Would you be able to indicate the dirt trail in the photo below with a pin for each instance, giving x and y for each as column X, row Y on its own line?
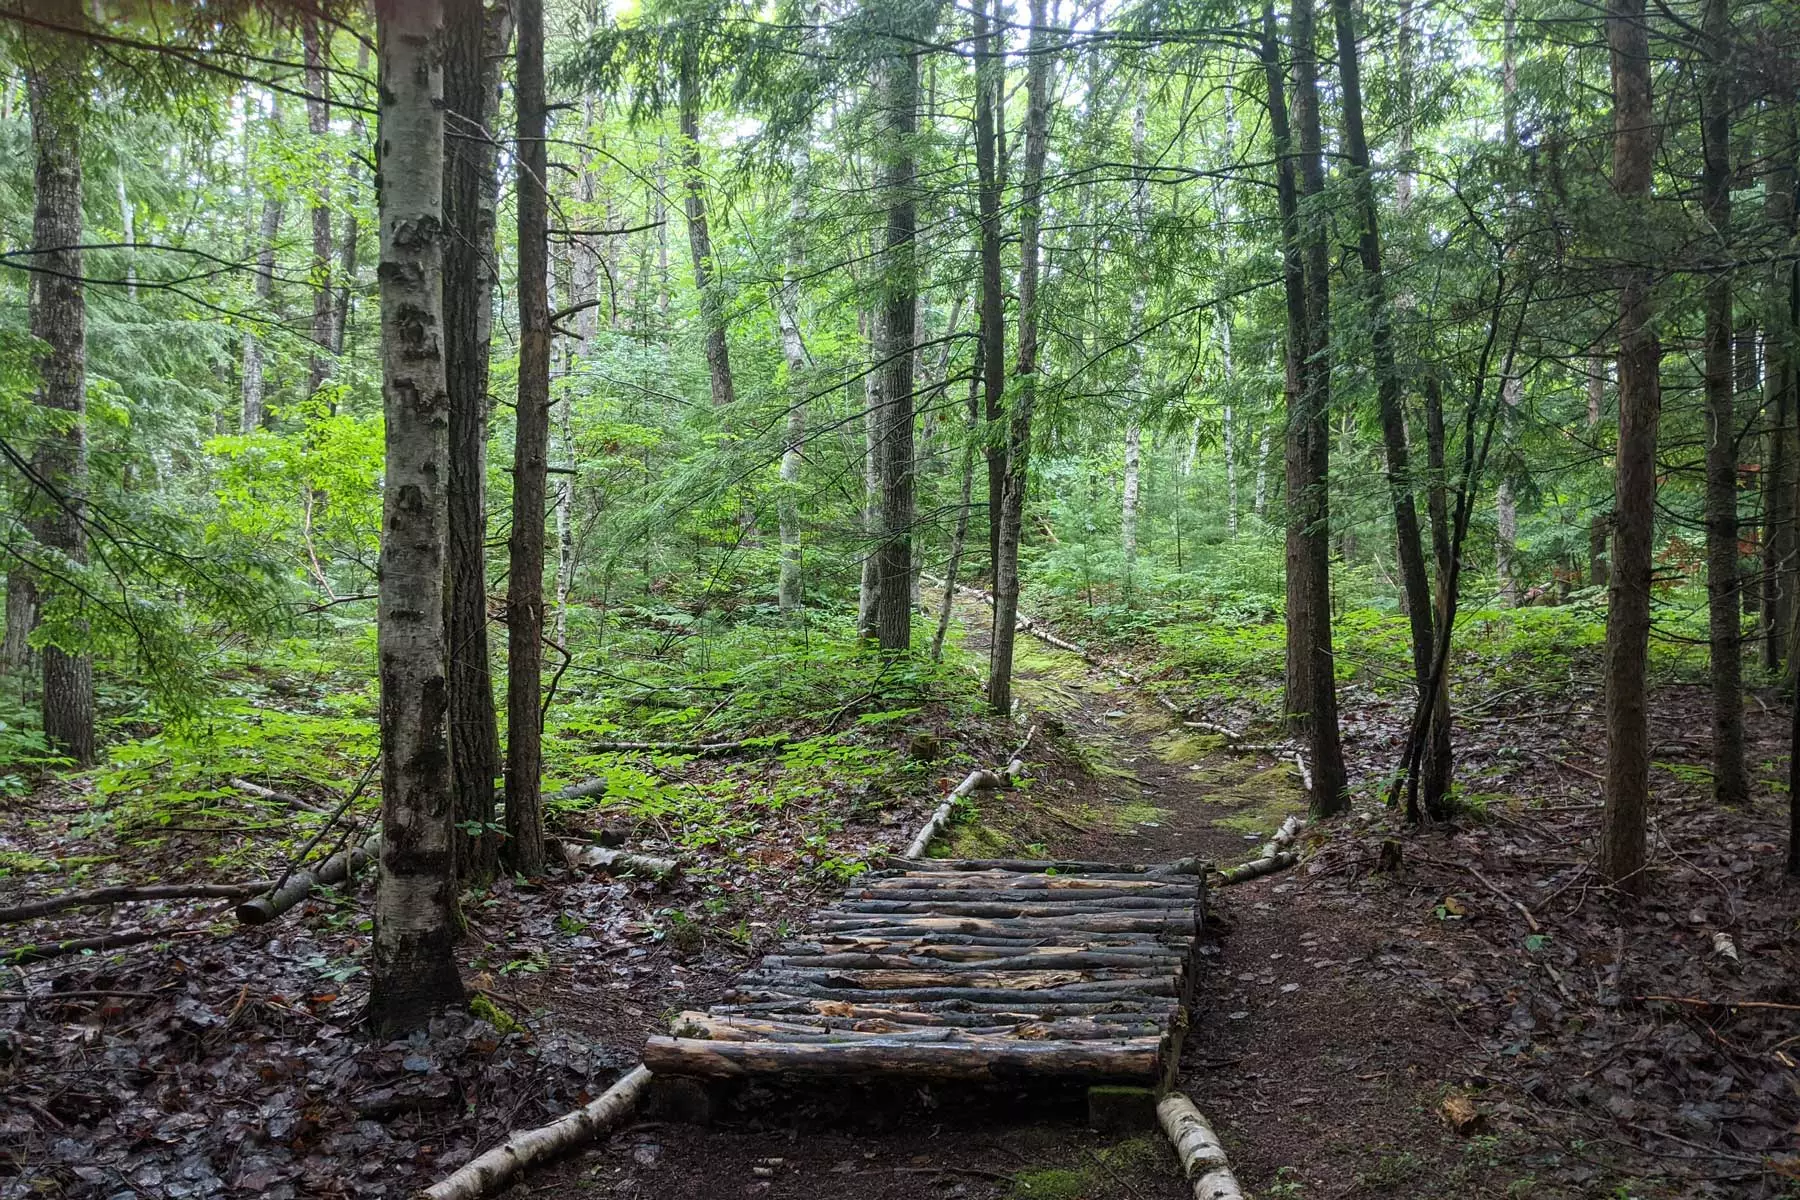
column 1115, row 778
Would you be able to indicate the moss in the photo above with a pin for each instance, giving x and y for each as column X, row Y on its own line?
column 1126, row 817
column 1139, row 1154
column 1179, row 749
column 484, row 1008
column 1050, row 1183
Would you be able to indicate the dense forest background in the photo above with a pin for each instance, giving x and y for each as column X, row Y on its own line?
column 434, row 407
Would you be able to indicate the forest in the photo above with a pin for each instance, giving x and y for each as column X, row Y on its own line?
column 514, row 508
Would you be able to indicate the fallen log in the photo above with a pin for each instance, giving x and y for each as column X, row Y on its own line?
column 1256, row 868
column 1126, row 1061
column 108, row 941
column 979, row 778
column 823, row 1030
column 1039, row 895
column 287, row 798
column 1229, row 734
column 906, row 980
column 260, row 910
column 1052, row 959
column 1202, row 1156
column 870, row 924
column 494, row 1169
column 1049, row 905
column 997, row 881
column 619, row 862
column 954, row 1012
column 1030, row 866
column 128, row 894
column 1128, row 990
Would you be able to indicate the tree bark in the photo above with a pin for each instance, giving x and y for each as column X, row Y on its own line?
column 693, row 186
column 960, row 534
column 990, row 157
column 412, row 970
column 1640, row 405
column 1512, row 388
column 318, row 123
column 1312, row 689
column 1781, row 384
column 1414, row 581
column 1018, row 449
column 471, row 99
column 897, row 334
column 868, row 594
column 1723, row 602
column 58, row 319
column 793, row 349
column 1135, row 397
column 1438, row 762
column 525, row 591
column 254, row 413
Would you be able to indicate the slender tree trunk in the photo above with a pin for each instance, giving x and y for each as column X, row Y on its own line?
column 1640, row 404
column 1312, row 688
column 471, row 99
column 1781, row 384
column 1135, row 397
column 793, row 350
column 525, row 591
column 1388, row 399
column 1229, row 424
column 897, row 337
column 254, row 413
column 318, row 124
column 960, row 534
column 128, row 229
column 1018, row 450
column 1438, row 759
column 1260, row 493
column 868, row 594
column 412, row 970
column 1512, row 388
column 693, row 186
column 58, row 316
column 1723, row 602
column 990, row 166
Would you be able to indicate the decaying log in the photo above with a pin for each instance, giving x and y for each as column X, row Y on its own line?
column 1174, row 924
column 1032, row 866
column 1305, row 772
column 287, row 798
column 1124, row 1061
column 1027, row 895
column 977, row 779
column 618, row 862
column 1102, row 991
column 1002, row 882
column 1197, row 1146
column 1015, row 762
column 491, row 1171
column 107, row 941
column 260, row 910
column 1230, row 735
column 1274, row 855
column 824, row 1030
column 127, row 894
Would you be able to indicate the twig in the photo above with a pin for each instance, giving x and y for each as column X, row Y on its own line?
column 1699, row 1003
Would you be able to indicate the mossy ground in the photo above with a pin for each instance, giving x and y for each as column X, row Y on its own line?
column 1098, row 1176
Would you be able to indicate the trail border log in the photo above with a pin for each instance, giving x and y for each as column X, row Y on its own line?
column 132, row 894
column 979, row 779
column 260, row 910
column 489, row 1172
column 1202, row 1156
column 1274, row 856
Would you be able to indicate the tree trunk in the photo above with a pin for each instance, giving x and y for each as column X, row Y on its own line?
column 1723, row 604
column 1640, row 404
column 1411, row 552
column 1018, row 449
column 1229, row 424
column 868, row 594
column 1312, row 689
column 1434, row 774
column 959, row 535
column 1781, row 384
column 318, row 124
column 1512, row 388
column 254, row 414
column 1135, row 397
column 990, row 165
column 59, row 321
column 789, row 593
column 525, row 591
column 693, row 187
column 471, row 99
column 412, row 970
column 897, row 335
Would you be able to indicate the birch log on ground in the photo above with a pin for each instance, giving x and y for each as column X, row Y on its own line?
column 132, row 895
column 1202, row 1157
column 979, row 778
column 618, row 862
column 490, row 1172
column 260, row 910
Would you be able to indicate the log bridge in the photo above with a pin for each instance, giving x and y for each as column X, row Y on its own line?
column 968, row 971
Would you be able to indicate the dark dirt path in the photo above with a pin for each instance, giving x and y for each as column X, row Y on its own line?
column 1286, row 1054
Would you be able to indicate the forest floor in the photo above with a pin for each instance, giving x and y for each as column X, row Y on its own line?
column 1480, row 1021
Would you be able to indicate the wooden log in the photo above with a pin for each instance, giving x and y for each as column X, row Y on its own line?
column 260, row 910
column 960, row 1012
column 1202, row 1156
column 1098, row 992
column 822, row 1030
column 130, row 894
column 1024, row 887
column 1014, row 879
column 950, row 944
column 493, row 1170
column 1053, row 958
column 43, row 951
column 1049, row 907
column 1134, row 1059
column 1256, row 868
column 1172, row 924
column 287, row 798
column 978, row 779
column 1058, row 866
column 979, row 975
column 618, row 862
column 1229, row 734
column 1153, row 896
